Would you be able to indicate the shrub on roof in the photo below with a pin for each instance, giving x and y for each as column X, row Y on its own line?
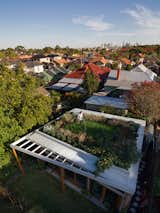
column 112, row 141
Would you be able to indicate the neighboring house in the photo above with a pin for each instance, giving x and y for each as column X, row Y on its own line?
column 61, row 62
column 33, row 66
column 74, row 80
column 12, row 64
column 118, row 83
column 44, row 60
column 141, row 68
column 100, row 61
column 24, row 57
column 127, row 63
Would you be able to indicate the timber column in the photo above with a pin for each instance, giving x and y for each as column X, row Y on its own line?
column 103, row 193
column 18, row 161
column 62, row 173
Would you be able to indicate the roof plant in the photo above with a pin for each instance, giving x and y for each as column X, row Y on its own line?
column 111, row 140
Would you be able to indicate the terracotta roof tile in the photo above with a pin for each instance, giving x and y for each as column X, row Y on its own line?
column 80, row 73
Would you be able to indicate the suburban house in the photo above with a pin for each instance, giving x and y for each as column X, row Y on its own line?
column 12, row 64
column 118, row 83
column 33, row 66
column 24, row 57
column 100, row 61
column 61, row 61
column 44, row 60
column 126, row 62
column 78, row 168
column 73, row 81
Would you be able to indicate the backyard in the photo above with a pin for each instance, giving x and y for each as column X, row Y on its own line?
column 112, row 141
column 39, row 192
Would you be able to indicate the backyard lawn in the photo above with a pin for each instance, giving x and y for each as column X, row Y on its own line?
column 41, row 193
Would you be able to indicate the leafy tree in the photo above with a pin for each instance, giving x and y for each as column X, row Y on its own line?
column 47, row 50
column 21, row 107
column 2, row 54
column 73, row 99
column 56, row 98
column 10, row 53
column 57, row 48
column 20, row 49
column 144, row 101
column 91, row 82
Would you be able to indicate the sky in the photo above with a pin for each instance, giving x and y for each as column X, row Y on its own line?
column 78, row 23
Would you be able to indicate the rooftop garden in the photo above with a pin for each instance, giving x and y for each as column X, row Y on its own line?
column 112, row 141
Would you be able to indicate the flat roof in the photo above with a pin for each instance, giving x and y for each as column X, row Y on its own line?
column 62, row 154
column 107, row 101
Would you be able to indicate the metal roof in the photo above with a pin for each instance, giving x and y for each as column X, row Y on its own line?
column 142, row 68
column 71, row 80
column 107, row 101
column 127, row 78
column 50, row 149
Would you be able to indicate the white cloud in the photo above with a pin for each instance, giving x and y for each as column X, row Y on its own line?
column 144, row 17
column 93, row 23
column 119, row 34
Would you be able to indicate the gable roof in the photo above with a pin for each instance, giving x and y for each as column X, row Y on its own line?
column 126, row 61
column 142, row 68
column 127, row 78
column 80, row 73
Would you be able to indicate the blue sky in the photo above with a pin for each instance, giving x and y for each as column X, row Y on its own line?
column 39, row 23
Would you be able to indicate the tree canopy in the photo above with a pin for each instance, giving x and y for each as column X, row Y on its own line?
column 91, row 82
column 144, row 101
column 21, row 107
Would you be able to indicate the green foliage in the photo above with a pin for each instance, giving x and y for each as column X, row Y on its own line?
column 91, row 82
column 56, row 98
column 21, row 107
column 112, row 141
column 74, row 66
column 144, row 101
column 157, row 186
column 112, row 110
column 73, row 99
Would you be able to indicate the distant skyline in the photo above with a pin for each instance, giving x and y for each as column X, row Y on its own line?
column 85, row 23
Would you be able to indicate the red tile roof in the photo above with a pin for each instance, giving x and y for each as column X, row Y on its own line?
column 80, row 73
column 126, row 61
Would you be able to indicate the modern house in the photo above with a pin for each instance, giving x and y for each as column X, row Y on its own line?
column 118, row 83
column 73, row 81
column 74, row 164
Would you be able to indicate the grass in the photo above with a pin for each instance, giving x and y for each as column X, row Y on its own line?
column 39, row 192
column 112, row 141
column 91, row 128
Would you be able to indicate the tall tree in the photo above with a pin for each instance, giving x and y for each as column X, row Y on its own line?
column 20, row 49
column 91, row 82
column 21, row 107
column 144, row 101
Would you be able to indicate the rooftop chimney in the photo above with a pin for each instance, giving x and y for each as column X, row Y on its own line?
column 118, row 74
column 119, row 70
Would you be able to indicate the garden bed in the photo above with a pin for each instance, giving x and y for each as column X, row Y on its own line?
column 113, row 141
